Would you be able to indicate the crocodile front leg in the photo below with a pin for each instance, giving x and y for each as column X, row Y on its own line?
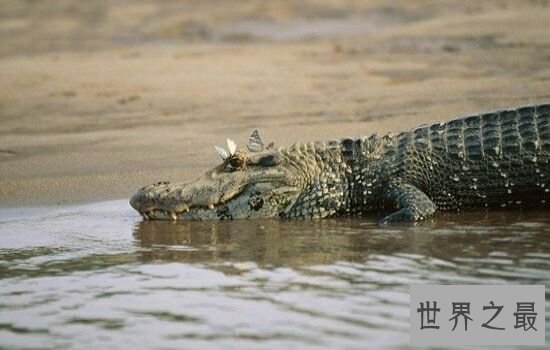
column 409, row 203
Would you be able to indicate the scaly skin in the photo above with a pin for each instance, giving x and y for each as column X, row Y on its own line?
column 493, row 160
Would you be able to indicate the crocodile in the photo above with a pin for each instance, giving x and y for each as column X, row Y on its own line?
column 498, row 159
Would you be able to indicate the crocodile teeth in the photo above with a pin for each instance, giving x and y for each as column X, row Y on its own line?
column 210, row 206
column 174, row 216
column 145, row 216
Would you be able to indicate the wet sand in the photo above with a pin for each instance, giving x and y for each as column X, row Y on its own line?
column 99, row 99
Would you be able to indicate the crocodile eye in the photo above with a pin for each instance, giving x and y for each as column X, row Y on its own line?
column 235, row 163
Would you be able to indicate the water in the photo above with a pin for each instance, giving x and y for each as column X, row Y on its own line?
column 96, row 276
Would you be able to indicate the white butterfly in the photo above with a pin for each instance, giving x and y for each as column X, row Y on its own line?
column 231, row 146
column 222, row 152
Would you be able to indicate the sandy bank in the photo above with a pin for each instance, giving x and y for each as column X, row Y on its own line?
column 92, row 117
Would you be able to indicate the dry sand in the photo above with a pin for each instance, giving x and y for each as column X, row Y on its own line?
column 99, row 98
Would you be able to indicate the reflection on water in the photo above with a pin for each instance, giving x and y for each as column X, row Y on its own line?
column 97, row 276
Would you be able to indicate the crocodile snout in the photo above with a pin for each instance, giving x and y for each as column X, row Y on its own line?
column 164, row 200
column 147, row 198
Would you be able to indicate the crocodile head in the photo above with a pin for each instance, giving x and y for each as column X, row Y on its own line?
column 259, row 182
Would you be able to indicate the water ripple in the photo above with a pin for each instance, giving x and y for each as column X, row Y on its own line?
column 96, row 275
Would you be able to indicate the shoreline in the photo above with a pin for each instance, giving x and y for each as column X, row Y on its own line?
column 25, row 212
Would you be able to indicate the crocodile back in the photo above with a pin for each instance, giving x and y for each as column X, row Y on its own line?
column 494, row 159
column 495, row 135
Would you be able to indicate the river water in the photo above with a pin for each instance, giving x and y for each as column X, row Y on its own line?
column 97, row 276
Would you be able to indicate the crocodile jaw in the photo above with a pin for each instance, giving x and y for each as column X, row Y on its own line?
column 165, row 202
